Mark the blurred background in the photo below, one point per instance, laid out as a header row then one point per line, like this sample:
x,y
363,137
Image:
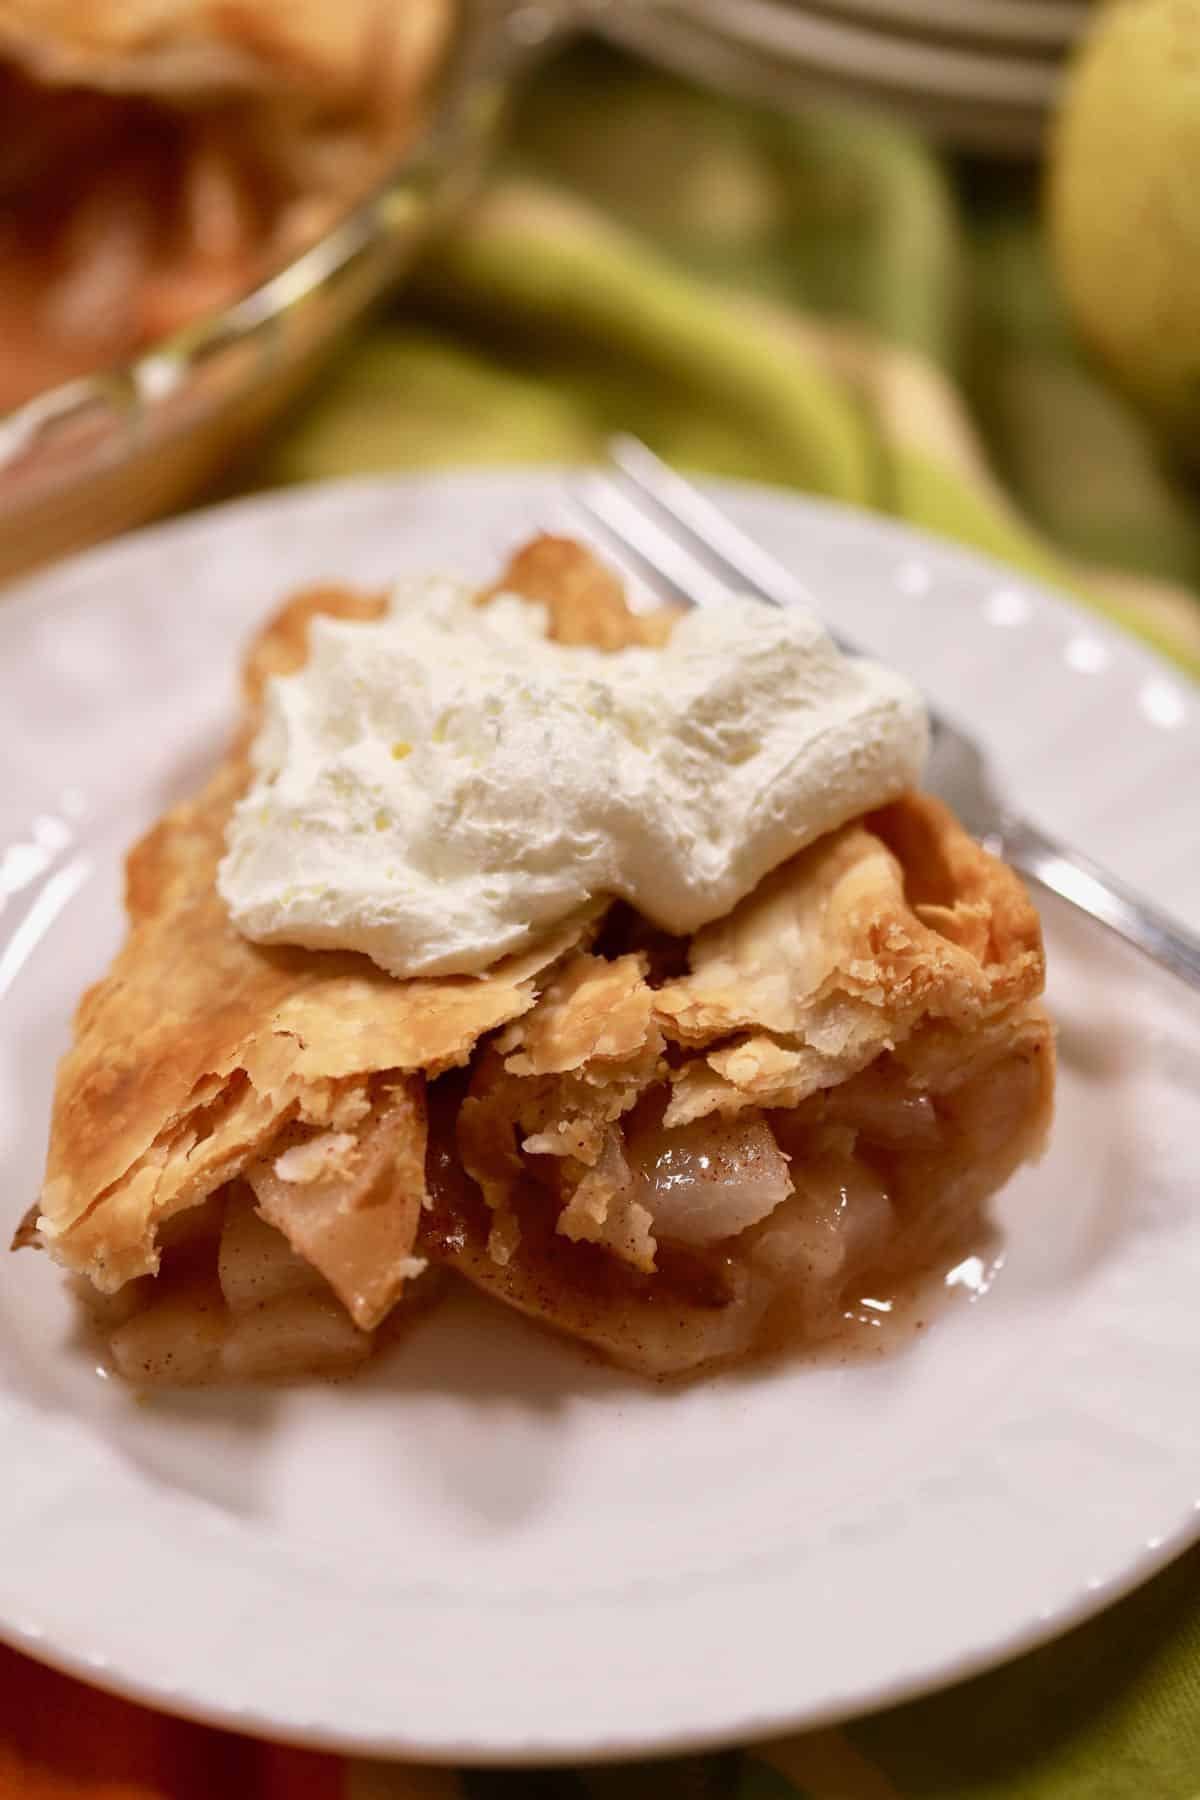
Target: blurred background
x,y
936,257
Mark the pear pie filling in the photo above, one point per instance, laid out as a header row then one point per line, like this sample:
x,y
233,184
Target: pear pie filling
x,y
677,1148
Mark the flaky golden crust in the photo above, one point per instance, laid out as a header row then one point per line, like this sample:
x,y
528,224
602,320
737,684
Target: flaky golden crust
x,y
842,953
587,601
355,1212
560,1095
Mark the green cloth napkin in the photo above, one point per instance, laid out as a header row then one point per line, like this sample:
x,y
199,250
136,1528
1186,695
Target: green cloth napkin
x,y
816,301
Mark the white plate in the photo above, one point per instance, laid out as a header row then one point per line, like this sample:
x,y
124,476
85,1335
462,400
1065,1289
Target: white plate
x,y
489,1548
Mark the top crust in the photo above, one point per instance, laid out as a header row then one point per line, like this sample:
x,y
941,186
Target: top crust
x,y
880,928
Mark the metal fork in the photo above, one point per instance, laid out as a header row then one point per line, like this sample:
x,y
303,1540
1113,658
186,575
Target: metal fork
x,y
689,547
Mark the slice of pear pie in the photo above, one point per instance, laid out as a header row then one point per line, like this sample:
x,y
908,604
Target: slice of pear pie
x,y
602,961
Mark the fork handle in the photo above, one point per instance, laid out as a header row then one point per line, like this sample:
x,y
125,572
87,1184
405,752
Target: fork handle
x,y
1093,890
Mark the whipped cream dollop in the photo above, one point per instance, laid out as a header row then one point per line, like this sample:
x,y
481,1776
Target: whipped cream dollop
x,y
436,788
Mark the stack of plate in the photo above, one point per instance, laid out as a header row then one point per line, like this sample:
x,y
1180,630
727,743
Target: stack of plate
x,y
982,74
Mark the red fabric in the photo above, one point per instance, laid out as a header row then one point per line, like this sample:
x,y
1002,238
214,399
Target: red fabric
x,y
60,1740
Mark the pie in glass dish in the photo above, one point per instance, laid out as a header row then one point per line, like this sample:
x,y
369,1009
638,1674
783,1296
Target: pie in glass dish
x,y
161,157
680,1150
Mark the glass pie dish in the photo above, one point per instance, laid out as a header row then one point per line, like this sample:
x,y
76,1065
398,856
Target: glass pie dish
x,y
119,445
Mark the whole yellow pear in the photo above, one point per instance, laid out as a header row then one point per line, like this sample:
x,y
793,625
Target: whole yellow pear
x,y
1124,203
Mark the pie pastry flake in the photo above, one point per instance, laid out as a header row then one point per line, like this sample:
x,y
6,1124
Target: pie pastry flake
x,y
677,1152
